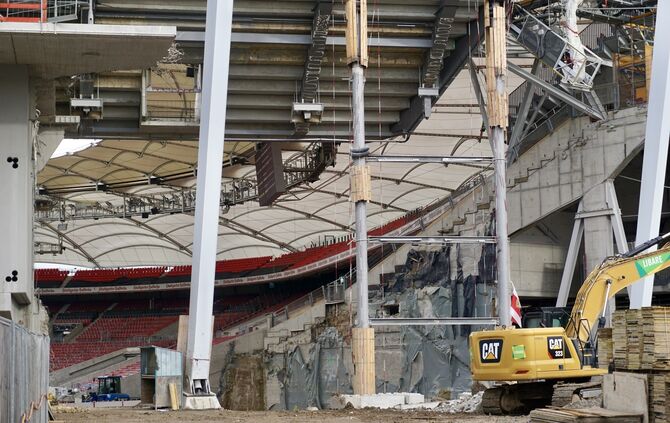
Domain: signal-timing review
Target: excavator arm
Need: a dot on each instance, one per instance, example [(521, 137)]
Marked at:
[(613, 275)]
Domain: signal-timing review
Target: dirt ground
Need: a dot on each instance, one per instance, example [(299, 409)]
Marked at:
[(136, 415)]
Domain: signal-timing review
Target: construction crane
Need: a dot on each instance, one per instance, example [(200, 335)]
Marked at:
[(557, 362)]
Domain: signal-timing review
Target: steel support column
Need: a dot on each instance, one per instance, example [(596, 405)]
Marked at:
[(210, 156), (357, 89), (655, 150), (571, 260), (498, 110), (472, 68), (522, 112), (362, 336)]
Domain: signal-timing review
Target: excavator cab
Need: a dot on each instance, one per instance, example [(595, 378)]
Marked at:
[(545, 317)]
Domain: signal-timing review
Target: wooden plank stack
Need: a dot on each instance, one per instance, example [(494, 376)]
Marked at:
[(584, 415), (605, 348), (641, 343), (658, 392), (620, 344), (656, 338), (634, 338)]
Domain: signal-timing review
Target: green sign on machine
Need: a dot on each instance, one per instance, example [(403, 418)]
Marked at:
[(518, 352), (647, 265)]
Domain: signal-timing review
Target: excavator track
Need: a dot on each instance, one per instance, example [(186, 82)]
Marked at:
[(521, 398)]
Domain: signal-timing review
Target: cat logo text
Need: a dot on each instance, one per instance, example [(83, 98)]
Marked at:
[(490, 350), (555, 347)]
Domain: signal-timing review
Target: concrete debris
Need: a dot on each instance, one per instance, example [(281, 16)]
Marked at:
[(465, 403), (422, 406), (585, 403), (381, 401)]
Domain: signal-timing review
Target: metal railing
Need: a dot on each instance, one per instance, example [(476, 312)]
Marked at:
[(577, 67), (23, 11), (38, 10)]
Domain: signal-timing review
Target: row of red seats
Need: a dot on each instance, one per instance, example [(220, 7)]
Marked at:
[(66, 319), (241, 265), (97, 306), (108, 334), (289, 260), (50, 275), (230, 266), (109, 275), (390, 226), (322, 253), (119, 328)]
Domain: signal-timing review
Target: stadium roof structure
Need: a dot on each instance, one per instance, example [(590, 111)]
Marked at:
[(128, 200)]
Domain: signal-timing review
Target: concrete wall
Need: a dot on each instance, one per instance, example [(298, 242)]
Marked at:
[(576, 157)]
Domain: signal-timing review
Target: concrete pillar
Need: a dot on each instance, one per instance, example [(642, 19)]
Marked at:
[(598, 235), (16, 191)]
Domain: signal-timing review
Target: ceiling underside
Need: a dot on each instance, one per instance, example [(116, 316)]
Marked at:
[(301, 217), (267, 68), (271, 47)]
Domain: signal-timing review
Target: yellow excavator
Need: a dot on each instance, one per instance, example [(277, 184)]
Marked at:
[(550, 363)]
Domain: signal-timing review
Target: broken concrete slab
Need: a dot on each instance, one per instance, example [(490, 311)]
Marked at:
[(626, 392), (382, 401)]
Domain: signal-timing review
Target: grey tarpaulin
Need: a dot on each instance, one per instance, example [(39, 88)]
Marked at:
[(314, 375), (24, 374), (451, 281)]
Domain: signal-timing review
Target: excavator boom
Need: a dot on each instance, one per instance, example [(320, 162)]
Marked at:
[(613, 275)]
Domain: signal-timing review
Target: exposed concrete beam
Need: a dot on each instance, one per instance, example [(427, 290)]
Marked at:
[(298, 39)]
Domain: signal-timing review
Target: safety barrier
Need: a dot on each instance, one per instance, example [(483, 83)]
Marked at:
[(23, 11), (24, 372)]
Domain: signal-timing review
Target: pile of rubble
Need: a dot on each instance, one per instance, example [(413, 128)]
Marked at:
[(465, 403)]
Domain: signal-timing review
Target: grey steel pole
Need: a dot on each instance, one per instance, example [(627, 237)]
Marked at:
[(502, 237), (358, 106)]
